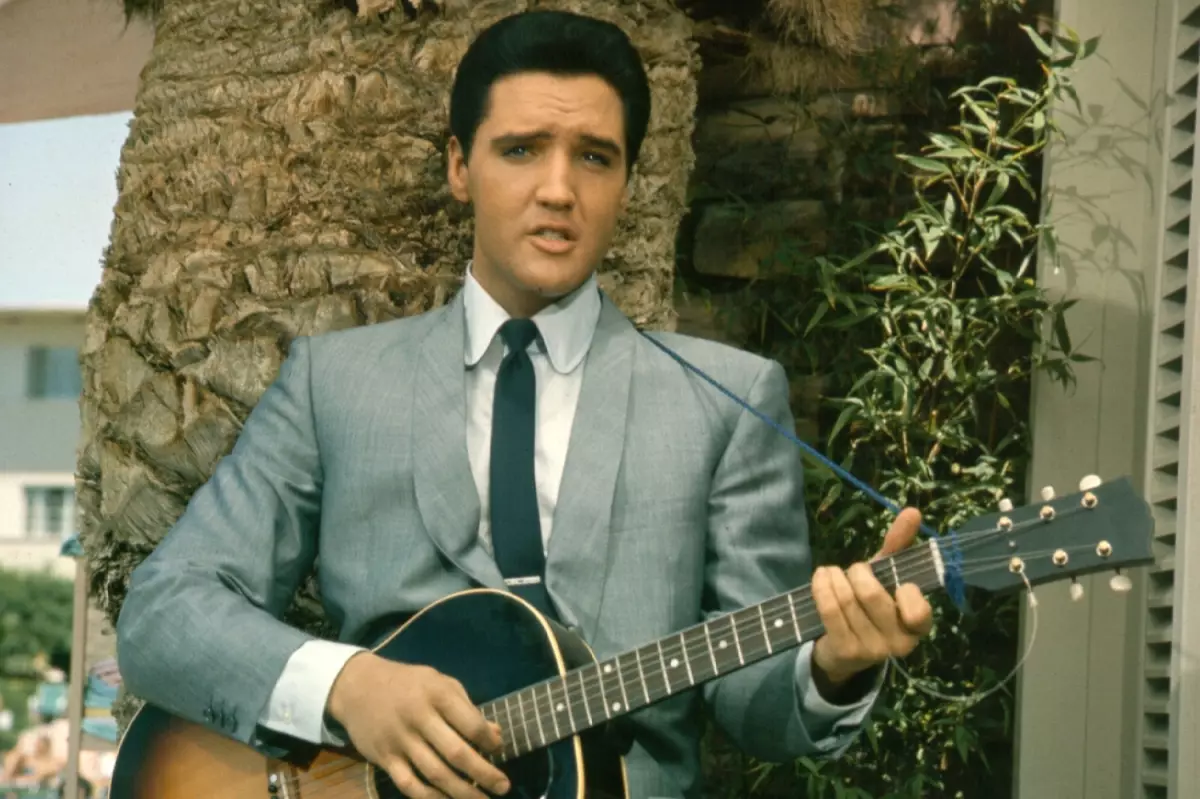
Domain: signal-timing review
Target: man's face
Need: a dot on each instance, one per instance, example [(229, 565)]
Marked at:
[(546, 177)]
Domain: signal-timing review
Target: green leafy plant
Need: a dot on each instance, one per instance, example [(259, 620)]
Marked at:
[(924, 345)]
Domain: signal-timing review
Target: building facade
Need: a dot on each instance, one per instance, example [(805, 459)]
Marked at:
[(39, 434)]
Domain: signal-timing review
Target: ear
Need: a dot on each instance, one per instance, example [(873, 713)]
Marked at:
[(456, 171)]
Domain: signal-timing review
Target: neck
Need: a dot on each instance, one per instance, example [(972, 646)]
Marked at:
[(598, 692)]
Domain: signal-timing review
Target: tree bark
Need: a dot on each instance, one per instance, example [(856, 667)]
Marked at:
[(284, 175)]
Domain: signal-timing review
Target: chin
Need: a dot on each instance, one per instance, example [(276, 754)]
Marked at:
[(553, 281)]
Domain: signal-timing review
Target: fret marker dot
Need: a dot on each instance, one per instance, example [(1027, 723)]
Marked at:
[(608, 668), (616, 705), (560, 707), (674, 663), (779, 622), (722, 644)]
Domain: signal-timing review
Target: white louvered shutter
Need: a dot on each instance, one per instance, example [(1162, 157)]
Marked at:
[(1169, 745)]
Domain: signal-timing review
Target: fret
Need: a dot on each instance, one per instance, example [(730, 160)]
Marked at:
[(537, 714), (553, 712), (687, 660), (583, 694), (663, 664), (795, 621), (766, 635), (524, 723), (737, 641), (637, 656), (603, 693), (711, 654), (895, 573), (723, 642), (566, 702), (511, 725), (621, 681)]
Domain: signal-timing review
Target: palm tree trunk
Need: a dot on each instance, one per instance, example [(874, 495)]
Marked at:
[(284, 176)]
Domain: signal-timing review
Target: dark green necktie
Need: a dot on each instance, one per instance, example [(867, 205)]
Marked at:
[(516, 527)]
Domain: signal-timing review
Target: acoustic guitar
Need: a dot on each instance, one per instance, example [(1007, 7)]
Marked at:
[(553, 699)]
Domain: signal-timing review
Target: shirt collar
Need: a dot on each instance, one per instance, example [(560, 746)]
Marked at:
[(566, 326)]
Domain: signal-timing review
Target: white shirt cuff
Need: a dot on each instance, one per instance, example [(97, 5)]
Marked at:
[(297, 703)]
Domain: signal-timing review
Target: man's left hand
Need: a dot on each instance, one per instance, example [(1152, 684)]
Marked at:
[(864, 624)]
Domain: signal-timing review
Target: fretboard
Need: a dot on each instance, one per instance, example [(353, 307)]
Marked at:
[(549, 711)]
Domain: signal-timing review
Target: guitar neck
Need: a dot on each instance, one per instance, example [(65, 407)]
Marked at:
[(555, 709)]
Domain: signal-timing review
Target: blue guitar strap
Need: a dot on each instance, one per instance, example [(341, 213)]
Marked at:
[(950, 550)]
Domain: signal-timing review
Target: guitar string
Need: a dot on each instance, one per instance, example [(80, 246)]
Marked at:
[(697, 653), (780, 611), (975, 566), (335, 782), (904, 561), (679, 649)]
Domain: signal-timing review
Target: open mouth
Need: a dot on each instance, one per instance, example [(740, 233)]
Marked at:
[(552, 239)]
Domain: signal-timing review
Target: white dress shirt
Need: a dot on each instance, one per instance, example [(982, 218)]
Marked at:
[(297, 703)]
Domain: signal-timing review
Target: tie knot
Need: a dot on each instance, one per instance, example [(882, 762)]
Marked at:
[(518, 334)]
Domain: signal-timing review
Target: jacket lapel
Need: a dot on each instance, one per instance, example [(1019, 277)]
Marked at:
[(446, 493), (577, 556)]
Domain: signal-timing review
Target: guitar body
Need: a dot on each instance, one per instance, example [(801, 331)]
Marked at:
[(490, 641)]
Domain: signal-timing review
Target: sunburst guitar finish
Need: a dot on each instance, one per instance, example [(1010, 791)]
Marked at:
[(492, 642)]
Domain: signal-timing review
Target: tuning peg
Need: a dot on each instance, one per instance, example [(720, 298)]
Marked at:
[(1006, 505), (1120, 583), (1089, 482), (1076, 590), (1047, 493)]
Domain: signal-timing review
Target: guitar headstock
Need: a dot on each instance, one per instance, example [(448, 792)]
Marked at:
[(1100, 527)]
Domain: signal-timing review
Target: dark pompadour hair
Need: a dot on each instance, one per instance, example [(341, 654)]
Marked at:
[(555, 42)]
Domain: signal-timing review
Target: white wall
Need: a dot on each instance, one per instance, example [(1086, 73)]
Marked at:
[(38, 437)]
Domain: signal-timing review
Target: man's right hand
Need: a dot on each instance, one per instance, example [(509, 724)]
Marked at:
[(418, 725)]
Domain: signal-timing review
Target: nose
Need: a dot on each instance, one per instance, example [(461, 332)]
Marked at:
[(556, 190)]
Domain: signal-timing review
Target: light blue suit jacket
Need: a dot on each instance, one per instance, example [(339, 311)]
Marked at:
[(675, 504)]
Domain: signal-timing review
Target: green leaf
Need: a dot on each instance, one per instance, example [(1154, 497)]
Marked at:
[(1038, 42), (925, 164), (998, 189)]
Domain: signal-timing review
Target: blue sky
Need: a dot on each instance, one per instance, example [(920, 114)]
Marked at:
[(57, 191)]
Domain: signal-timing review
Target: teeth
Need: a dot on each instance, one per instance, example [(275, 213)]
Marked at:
[(552, 234)]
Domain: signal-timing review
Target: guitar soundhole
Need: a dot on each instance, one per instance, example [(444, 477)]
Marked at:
[(530, 776)]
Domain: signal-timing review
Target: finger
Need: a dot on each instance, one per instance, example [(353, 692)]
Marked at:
[(492, 737), (828, 607), (438, 773), (913, 609), (901, 533), (873, 598), (407, 781), (462, 715), (871, 644), (459, 754), (882, 611)]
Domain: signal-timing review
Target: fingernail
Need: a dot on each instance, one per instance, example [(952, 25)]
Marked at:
[(502, 786)]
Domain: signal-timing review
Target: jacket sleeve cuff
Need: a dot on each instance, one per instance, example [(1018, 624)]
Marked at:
[(829, 725), (297, 703)]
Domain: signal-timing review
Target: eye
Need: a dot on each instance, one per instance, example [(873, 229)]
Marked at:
[(598, 158), (516, 150)]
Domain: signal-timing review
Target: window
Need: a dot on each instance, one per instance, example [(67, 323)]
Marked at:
[(54, 373), (49, 511)]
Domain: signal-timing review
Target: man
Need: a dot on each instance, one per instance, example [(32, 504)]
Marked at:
[(412, 455)]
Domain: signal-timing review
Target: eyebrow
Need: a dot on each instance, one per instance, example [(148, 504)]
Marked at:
[(599, 142)]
